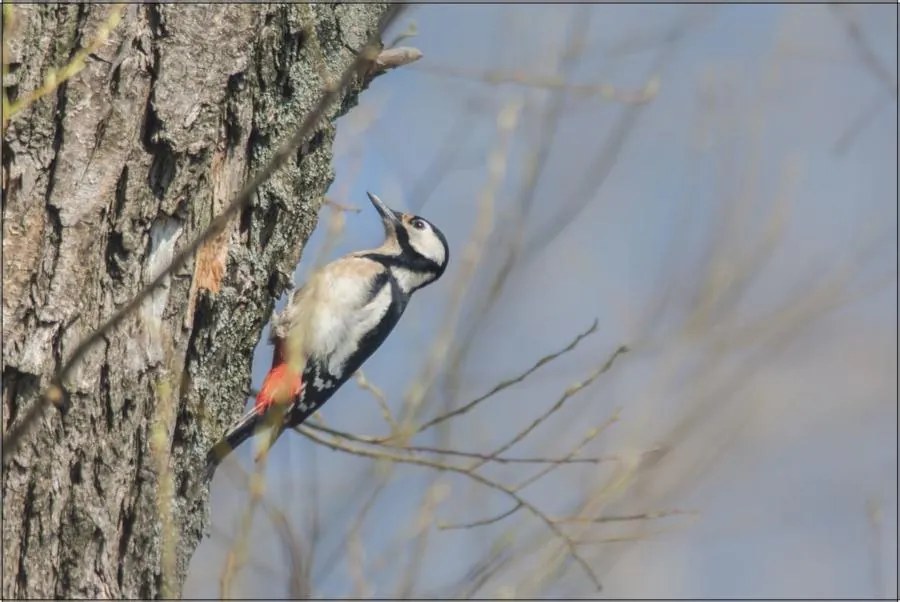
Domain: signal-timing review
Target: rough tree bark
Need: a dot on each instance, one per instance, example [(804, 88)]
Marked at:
[(102, 181)]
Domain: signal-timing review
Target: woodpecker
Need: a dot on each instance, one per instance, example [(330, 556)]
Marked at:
[(335, 321)]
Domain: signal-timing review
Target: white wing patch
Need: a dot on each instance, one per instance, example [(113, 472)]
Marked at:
[(320, 384)]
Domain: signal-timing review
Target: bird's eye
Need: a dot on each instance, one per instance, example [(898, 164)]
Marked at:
[(418, 224)]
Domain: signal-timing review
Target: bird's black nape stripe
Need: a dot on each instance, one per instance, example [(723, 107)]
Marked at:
[(416, 263)]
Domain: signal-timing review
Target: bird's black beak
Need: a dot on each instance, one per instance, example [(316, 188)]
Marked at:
[(390, 217)]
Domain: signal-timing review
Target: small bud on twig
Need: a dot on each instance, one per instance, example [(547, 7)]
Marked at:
[(391, 58)]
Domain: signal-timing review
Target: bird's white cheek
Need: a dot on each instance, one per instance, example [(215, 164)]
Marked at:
[(427, 245)]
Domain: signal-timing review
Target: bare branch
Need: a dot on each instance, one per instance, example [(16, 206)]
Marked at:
[(859, 124), (570, 545), (237, 553), (411, 31), (485, 521), (432, 498), (377, 441), (342, 207), (160, 450), (591, 435), (569, 392), (550, 82), (625, 517), (299, 584), (374, 493), (568, 459), (866, 55), (379, 396), (391, 58)]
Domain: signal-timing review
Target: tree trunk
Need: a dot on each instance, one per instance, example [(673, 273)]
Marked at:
[(103, 180)]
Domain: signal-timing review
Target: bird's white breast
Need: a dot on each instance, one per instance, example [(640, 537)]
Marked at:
[(333, 313), (365, 319)]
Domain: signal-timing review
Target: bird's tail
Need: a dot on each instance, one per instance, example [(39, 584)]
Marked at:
[(280, 387), (242, 430)]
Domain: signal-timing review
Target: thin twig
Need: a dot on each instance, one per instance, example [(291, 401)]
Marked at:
[(354, 539), (590, 436), (859, 123), (332, 560), (442, 163), (341, 206), (482, 522), (55, 394), (568, 459), (510, 382), (432, 498), (453, 452), (624, 517), (875, 520), (549, 82), (864, 50), (410, 32), (299, 582), (569, 392), (237, 553), (363, 383)]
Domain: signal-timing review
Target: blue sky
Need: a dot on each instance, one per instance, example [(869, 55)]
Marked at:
[(780, 469)]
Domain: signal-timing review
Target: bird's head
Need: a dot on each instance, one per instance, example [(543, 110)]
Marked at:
[(416, 244)]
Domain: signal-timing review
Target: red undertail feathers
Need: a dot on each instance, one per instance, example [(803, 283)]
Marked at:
[(281, 385)]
